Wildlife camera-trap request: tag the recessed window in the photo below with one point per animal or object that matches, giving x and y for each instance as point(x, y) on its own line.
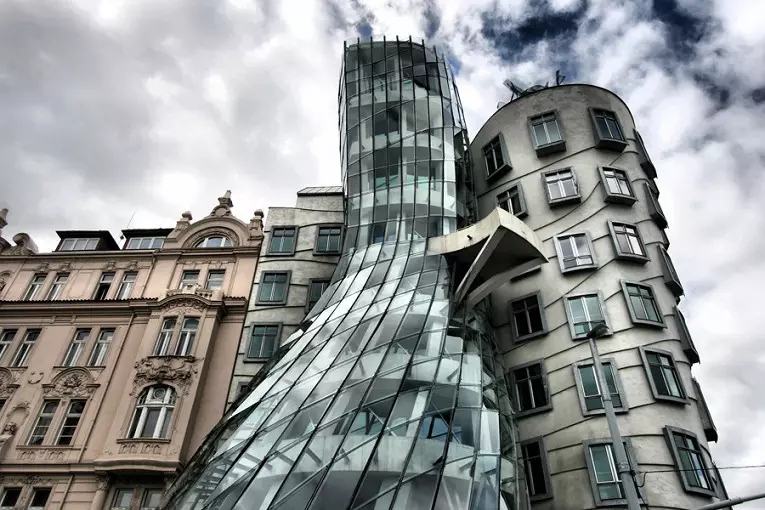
point(39, 499)
point(642, 304)
point(513, 201)
point(710, 431)
point(78, 244)
point(273, 287)
point(643, 158)
point(122, 499)
point(215, 279)
point(617, 185)
point(189, 278)
point(101, 348)
point(58, 286)
point(21, 357)
point(153, 413)
point(671, 279)
point(546, 133)
point(575, 252)
point(607, 486)
point(495, 157)
point(10, 497)
point(187, 336)
point(628, 244)
point(584, 312)
point(689, 461)
point(151, 499)
point(536, 469)
point(328, 239)
point(145, 243)
point(70, 423)
point(663, 377)
point(590, 390)
point(561, 187)
point(528, 317)
point(531, 391)
point(264, 340)
point(654, 208)
point(315, 289)
point(34, 287)
point(282, 241)
point(126, 285)
point(44, 419)
point(104, 284)
point(162, 347)
point(608, 130)
point(689, 348)
point(214, 242)
point(241, 387)
point(6, 340)
point(76, 347)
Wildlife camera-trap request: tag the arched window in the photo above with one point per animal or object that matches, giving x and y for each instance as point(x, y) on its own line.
point(153, 413)
point(216, 241)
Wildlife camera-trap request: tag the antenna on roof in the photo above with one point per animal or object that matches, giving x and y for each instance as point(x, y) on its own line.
point(122, 236)
point(517, 90)
point(559, 77)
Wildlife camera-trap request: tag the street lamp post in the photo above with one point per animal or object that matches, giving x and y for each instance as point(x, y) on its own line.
point(622, 464)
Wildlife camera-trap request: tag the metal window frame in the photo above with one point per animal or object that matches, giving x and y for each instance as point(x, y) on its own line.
point(274, 228)
point(708, 471)
point(221, 272)
point(652, 384)
point(101, 282)
point(545, 468)
point(654, 207)
point(283, 301)
point(569, 199)
point(123, 283)
point(617, 380)
point(671, 278)
point(559, 252)
point(618, 253)
point(551, 147)
point(37, 287)
point(316, 250)
point(661, 323)
point(36, 422)
point(506, 163)
point(56, 286)
point(247, 353)
point(72, 343)
point(98, 342)
point(570, 315)
point(605, 142)
point(689, 348)
point(710, 430)
point(514, 388)
point(62, 423)
point(643, 158)
point(523, 211)
point(631, 458)
point(308, 292)
point(24, 341)
point(513, 327)
point(617, 198)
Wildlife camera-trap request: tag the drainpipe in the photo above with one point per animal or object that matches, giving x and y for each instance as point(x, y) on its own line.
point(731, 502)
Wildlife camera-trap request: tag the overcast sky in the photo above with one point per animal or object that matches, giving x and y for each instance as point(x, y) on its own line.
point(152, 107)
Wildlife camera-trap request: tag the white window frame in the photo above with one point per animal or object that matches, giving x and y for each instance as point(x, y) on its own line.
point(207, 241)
point(266, 274)
point(155, 243)
point(21, 357)
point(214, 279)
point(185, 345)
point(127, 284)
point(556, 178)
point(319, 248)
point(40, 430)
point(561, 239)
point(505, 197)
point(588, 317)
point(623, 184)
point(7, 336)
point(35, 286)
point(616, 479)
point(517, 337)
point(672, 367)
point(145, 498)
point(59, 282)
point(106, 279)
point(79, 244)
point(189, 277)
point(76, 347)
point(165, 336)
point(147, 401)
point(702, 470)
point(284, 231)
point(261, 354)
point(625, 284)
point(117, 493)
point(609, 365)
point(633, 239)
point(100, 350)
point(71, 414)
point(514, 384)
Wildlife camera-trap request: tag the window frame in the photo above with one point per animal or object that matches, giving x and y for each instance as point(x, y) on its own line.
point(34, 287)
point(514, 389)
point(652, 383)
point(183, 281)
point(101, 283)
point(35, 491)
point(96, 347)
point(144, 496)
point(162, 330)
point(517, 338)
point(618, 253)
point(204, 240)
point(74, 240)
point(607, 142)
point(221, 272)
point(126, 284)
point(248, 357)
point(550, 147)
point(617, 198)
point(654, 207)
point(36, 423)
point(115, 497)
point(295, 232)
point(631, 459)
point(20, 489)
point(69, 414)
point(162, 419)
point(611, 362)
point(506, 163)
point(689, 348)
point(15, 361)
point(523, 210)
point(77, 346)
point(6, 344)
point(283, 301)
point(671, 278)
point(707, 423)
point(559, 252)
point(661, 323)
point(317, 251)
point(191, 336)
point(643, 158)
point(153, 241)
point(57, 287)
point(669, 432)
point(311, 282)
point(570, 315)
point(545, 468)
point(565, 200)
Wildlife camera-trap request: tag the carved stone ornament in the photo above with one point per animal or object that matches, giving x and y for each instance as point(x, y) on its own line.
point(176, 370)
point(42, 268)
point(10, 428)
point(110, 266)
point(188, 304)
point(66, 266)
point(132, 265)
point(76, 382)
point(7, 383)
point(102, 481)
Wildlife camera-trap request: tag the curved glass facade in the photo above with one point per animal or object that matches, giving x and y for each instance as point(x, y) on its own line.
point(391, 396)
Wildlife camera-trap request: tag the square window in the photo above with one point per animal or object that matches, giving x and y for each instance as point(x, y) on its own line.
point(531, 393)
point(643, 158)
point(642, 304)
point(584, 312)
point(670, 273)
point(575, 251)
point(189, 278)
point(536, 469)
point(663, 376)
point(329, 239)
point(617, 186)
point(628, 244)
point(654, 208)
point(689, 460)
point(561, 187)
point(512, 201)
point(590, 390)
point(608, 130)
point(495, 157)
point(215, 279)
point(273, 287)
point(528, 317)
point(606, 483)
point(689, 348)
point(283, 240)
point(546, 133)
point(264, 340)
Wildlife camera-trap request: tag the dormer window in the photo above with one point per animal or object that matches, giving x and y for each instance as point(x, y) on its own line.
point(145, 243)
point(82, 244)
point(214, 242)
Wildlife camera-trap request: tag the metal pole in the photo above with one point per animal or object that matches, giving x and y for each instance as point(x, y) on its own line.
point(730, 502)
point(622, 464)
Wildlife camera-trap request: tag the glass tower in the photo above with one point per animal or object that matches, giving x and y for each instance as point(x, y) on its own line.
point(391, 395)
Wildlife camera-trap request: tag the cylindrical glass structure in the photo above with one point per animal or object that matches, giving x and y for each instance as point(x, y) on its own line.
point(391, 396)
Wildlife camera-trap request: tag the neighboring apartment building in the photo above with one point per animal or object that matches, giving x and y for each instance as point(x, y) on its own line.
point(302, 246)
point(115, 360)
point(446, 365)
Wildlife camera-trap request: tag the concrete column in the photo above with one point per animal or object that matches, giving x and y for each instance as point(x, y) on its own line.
point(102, 487)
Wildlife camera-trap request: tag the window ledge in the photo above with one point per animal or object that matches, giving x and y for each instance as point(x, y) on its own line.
point(270, 303)
point(317, 252)
point(551, 148)
point(584, 336)
point(647, 323)
point(573, 199)
point(602, 412)
point(256, 360)
point(611, 144)
point(585, 267)
point(143, 440)
point(530, 336)
point(659, 219)
point(172, 356)
point(671, 400)
point(47, 447)
point(499, 171)
point(531, 412)
point(640, 259)
point(615, 198)
point(280, 254)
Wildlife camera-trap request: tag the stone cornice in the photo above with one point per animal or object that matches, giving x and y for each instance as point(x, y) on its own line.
point(77, 306)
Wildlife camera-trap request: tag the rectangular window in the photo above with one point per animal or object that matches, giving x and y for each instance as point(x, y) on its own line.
point(71, 420)
point(241, 386)
point(590, 392)
point(122, 499)
point(604, 476)
point(9, 498)
point(531, 392)
point(561, 187)
point(273, 288)
point(34, 287)
point(151, 499)
point(282, 240)
point(575, 252)
point(693, 471)
point(43, 422)
point(536, 469)
point(494, 157)
point(215, 280)
point(76, 346)
point(608, 130)
point(663, 377)
point(642, 304)
point(315, 289)
point(584, 312)
point(58, 286)
point(546, 134)
point(654, 207)
point(6, 340)
point(710, 431)
point(512, 201)
point(617, 185)
point(671, 279)
point(189, 278)
point(126, 285)
point(264, 340)
point(21, 357)
point(528, 317)
point(627, 242)
point(162, 346)
point(689, 348)
point(145, 243)
point(39, 498)
point(643, 158)
point(328, 239)
point(187, 336)
point(101, 348)
point(104, 284)
point(78, 244)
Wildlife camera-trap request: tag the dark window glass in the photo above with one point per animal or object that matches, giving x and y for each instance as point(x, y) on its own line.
point(329, 239)
point(282, 240)
point(273, 287)
point(664, 374)
point(643, 302)
point(315, 289)
point(263, 341)
point(527, 316)
point(536, 470)
point(492, 154)
point(530, 387)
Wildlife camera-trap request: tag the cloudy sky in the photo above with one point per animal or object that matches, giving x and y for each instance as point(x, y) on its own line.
point(115, 108)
